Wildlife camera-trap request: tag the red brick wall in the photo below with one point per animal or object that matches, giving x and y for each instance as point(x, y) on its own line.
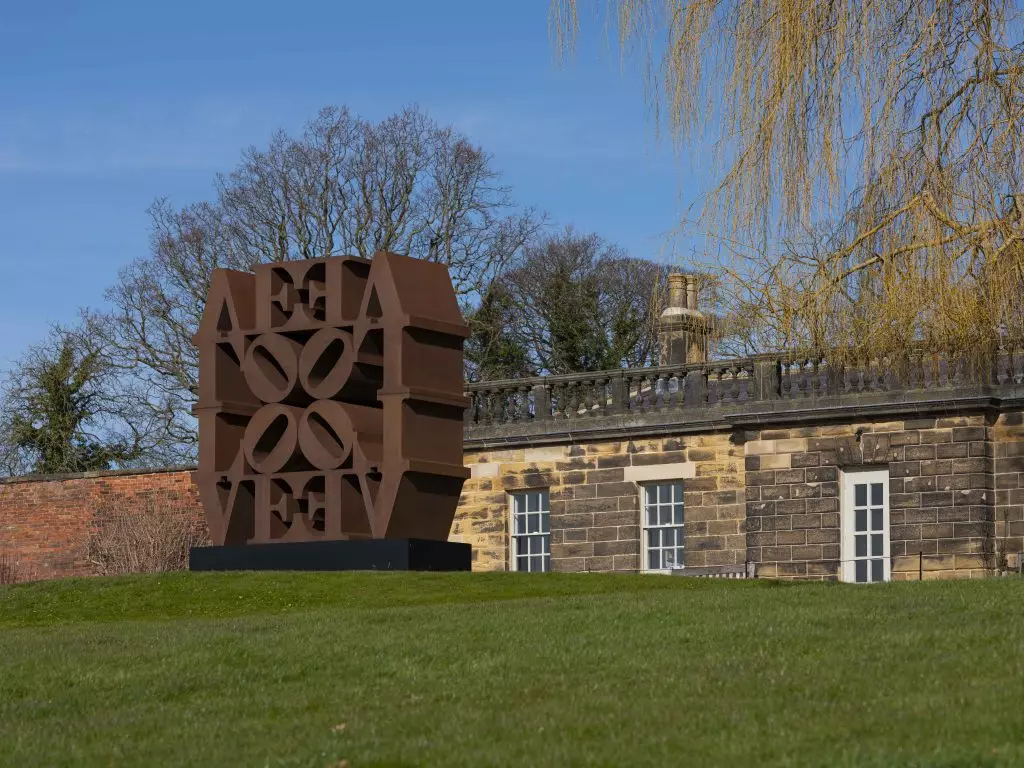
point(45, 523)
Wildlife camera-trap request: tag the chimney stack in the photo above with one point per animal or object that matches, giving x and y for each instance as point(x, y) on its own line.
point(683, 329)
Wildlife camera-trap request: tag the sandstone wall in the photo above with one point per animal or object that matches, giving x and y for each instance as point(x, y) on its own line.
point(595, 500)
point(941, 495)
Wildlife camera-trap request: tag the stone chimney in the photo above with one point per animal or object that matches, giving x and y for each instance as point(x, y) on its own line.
point(682, 328)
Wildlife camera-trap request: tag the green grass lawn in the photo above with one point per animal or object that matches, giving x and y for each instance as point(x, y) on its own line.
point(509, 669)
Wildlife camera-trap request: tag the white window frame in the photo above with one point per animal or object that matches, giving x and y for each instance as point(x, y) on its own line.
point(676, 523)
point(542, 499)
point(848, 518)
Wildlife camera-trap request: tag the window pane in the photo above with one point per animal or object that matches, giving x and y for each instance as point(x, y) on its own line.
point(666, 516)
point(677, 492)
point(876, 545)
point(877, 570)
point(860, 493)
point(876, 494)
point(861, 571)
point(651, 492)
point(876, 519)
point(519, 502)
point(668, 537)
point(520, 523)
point(545, 519)
point(655, 559)
point(861, 545)
point(678, 514)
point(533, 523)
point(670, 558)
point(861, 520)
point(652, 539)
point(522, 563)
point(531, 502)
point(547, 563)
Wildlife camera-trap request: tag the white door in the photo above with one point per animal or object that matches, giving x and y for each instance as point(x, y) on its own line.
point(865, 521)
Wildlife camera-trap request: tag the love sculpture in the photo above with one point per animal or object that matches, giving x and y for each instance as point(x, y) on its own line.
point(330, 407)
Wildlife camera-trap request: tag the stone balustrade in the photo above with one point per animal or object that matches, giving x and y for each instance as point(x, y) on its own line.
point(703, 393)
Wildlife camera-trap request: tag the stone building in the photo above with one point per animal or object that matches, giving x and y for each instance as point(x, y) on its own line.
point(780, 467)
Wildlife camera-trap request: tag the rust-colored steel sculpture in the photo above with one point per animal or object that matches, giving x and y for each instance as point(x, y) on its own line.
point(330, 401)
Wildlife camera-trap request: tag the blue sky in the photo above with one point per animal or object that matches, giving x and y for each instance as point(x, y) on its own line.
point(105, 106)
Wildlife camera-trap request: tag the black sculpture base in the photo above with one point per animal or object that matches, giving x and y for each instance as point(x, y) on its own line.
point(364, 555)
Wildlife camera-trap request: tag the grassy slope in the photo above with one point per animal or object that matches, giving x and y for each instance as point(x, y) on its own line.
point(486, 669)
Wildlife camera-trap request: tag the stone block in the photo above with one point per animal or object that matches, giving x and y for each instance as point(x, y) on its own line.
point(575, 520)
point(806, 491)
point(823, 536)
point(919, 452)
point(777, 523)
point(789, 538)
point(952, 451)
point(775, 492)
point(571, 564)
point(603, 548)
point(777, 554)
point(905, 532)
point(937, 499)
point(938, 562)
point(822, 474)
point(823, 505)
point(936, 467)
point(723, 527)
point(937, 531)
point(807, 552)
point(603, 533)
point(936, 436)
point(576, 549)
point(789, 476)
point(616, 518)
point(605, 476)
point(775, 461)
point(760, 478)
point(921, 515)
point(967, 530)
point(699, 543)
point(626, 563)
point(669, 457)
point(758, 447)
point(605, 490)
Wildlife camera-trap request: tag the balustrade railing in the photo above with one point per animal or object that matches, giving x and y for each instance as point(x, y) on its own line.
point(726, 383)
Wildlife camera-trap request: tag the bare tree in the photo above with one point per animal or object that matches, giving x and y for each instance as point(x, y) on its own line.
point(344, 186)
point(870, 156)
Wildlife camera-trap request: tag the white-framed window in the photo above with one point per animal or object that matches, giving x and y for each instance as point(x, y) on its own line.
point(663, 525)
point(865, 521)
point(531, 531)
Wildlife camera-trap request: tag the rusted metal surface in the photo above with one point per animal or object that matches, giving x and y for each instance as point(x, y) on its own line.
point(331, 401)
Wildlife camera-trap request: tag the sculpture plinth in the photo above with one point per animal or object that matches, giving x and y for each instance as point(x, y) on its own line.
point(330, 403)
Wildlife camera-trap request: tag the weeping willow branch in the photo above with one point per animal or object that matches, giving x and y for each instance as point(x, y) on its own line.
point(868, 156)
